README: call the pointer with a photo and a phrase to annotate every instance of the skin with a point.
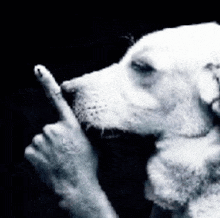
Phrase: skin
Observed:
(65, 158)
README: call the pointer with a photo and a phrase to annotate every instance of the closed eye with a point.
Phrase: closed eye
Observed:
(142, 67)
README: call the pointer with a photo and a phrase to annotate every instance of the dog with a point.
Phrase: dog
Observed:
(166, 85)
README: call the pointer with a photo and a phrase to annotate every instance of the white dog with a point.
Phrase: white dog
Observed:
(167, 84)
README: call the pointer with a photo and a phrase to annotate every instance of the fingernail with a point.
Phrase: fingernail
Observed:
(39, 73)
(38, 70)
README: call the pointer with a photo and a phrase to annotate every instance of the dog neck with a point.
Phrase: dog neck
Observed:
(181, 159)
(210, 137)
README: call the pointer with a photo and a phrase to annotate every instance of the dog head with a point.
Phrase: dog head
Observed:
(164, 85)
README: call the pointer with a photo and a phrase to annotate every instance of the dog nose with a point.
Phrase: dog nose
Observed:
(66, 86)
(69, 96)
(70, 90)
(71, 86)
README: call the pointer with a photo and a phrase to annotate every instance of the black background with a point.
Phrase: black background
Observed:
(70, 40)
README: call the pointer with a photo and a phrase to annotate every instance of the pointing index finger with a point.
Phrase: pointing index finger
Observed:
(53, 91)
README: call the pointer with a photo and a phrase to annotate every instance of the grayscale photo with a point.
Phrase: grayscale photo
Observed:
(108, 115)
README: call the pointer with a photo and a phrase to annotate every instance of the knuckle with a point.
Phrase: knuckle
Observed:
(29, 150)
(57, 94)
(52, 129)
(29, 153)
(59, 128)
(71, 124)
(34, 157)
(37, 140)
(48, 129)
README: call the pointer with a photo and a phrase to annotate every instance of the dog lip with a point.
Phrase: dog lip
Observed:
(96, 132)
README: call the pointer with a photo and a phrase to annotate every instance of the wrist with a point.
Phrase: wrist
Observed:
(103, 205)
(89, 201)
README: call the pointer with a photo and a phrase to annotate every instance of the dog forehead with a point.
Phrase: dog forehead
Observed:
(190, 37)
(200, 41)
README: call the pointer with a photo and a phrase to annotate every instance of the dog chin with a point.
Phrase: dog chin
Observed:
(95, 132)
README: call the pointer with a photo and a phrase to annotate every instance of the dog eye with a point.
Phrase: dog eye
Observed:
(141, 67)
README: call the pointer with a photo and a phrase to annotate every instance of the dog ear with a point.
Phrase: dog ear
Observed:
(208, 82)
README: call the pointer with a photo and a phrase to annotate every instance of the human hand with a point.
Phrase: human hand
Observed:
(62, 154)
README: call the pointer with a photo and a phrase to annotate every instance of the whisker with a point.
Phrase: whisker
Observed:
(102, 132)
(88, 126)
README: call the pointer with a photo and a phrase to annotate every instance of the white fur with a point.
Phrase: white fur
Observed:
(206, 205)
(172, 101)
(181, 169)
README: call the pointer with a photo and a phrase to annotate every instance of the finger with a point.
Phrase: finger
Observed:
(49, 131)
(40, 143)
(53, 91)
(39, 161)
(34, 156)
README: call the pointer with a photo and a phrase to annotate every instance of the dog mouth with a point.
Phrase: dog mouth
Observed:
(98, 133)
(143, 143)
